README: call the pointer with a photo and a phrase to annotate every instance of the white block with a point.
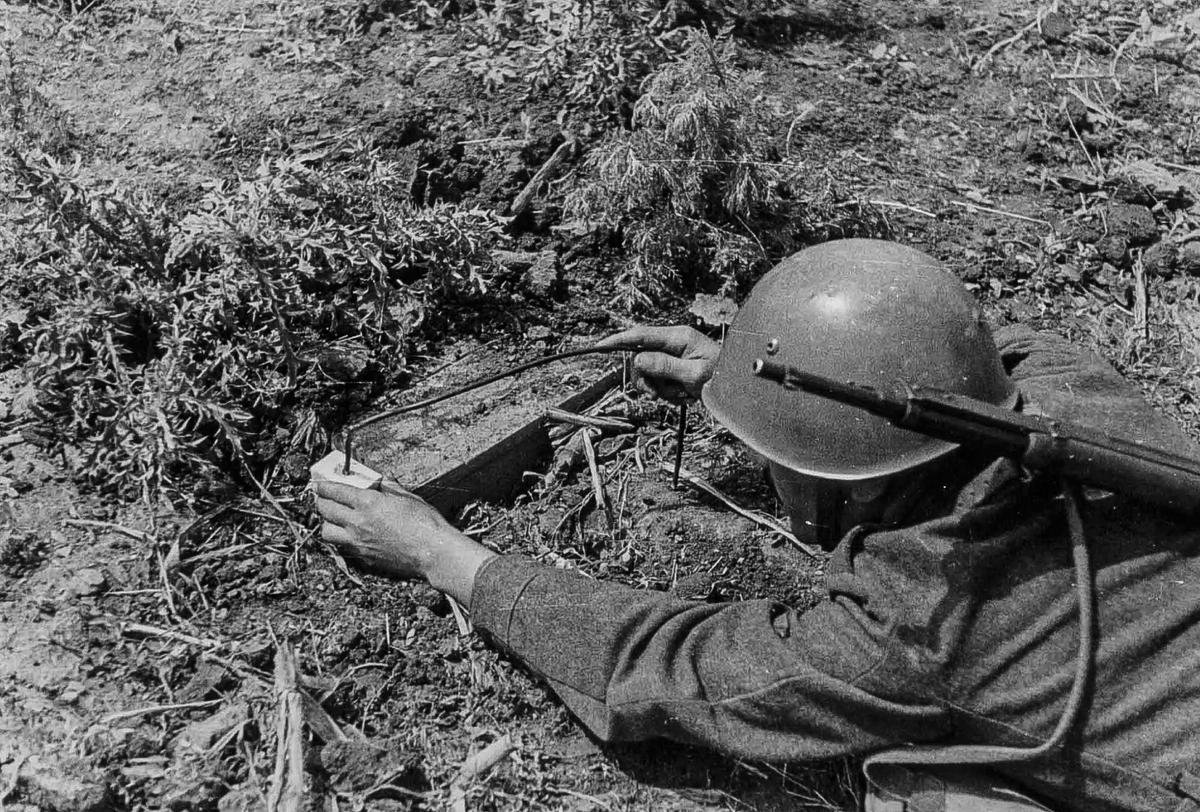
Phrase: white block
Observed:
(332, 468)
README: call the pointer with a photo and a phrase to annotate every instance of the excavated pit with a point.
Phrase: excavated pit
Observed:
(481, 445)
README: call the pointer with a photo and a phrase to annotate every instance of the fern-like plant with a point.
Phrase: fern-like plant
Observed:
(699, 186)
(174, 350)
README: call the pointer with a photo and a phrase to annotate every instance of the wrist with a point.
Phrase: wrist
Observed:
(454, 566)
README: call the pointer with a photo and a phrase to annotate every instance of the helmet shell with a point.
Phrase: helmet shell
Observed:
(870, 312)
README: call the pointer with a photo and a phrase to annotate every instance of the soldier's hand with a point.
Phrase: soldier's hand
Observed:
(399, 535)
(673, 363)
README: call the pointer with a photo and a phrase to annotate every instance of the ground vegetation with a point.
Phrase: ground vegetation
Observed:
(227, 230)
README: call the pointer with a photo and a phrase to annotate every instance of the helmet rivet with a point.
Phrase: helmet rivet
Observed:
(773, 346)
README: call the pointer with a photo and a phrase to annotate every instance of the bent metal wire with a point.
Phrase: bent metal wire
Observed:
(348, 438)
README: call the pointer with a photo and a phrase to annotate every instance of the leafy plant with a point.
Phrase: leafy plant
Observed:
(596, 51)
(700, 185)
(174, 350)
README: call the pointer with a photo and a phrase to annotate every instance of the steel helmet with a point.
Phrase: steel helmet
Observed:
(868, 311)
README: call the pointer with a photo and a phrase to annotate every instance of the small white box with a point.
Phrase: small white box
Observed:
(332, 468)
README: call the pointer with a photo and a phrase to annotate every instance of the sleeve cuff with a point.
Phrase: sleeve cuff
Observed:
(498, 586)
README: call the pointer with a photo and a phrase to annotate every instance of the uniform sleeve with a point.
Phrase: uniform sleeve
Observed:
(1065, 381)
(752, 679)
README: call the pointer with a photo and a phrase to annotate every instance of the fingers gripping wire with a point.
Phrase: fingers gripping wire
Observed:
(956, 755)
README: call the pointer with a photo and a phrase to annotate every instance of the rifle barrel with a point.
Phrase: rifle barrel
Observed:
(1156, 475)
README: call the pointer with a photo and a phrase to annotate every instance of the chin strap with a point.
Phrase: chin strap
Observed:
(981, 754)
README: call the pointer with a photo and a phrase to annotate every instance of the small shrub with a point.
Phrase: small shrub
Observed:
(595, 51)
(700, 187)
(170, 350)
(21, 553)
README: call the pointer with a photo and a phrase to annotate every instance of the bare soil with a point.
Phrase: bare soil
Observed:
(138, 640)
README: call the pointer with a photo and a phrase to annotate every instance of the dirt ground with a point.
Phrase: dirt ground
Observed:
(1048, 153)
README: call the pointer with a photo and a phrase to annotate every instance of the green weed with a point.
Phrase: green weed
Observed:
(176, 350)
(596, 52)
(703, 185)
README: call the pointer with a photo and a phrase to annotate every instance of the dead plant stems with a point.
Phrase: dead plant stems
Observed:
(767, 522)
(1141, 300)
(1036, 23)
(588, 421)
(92, 524)
(544, 174)
(461, 617)
(143, 630)
(285, 334)
(589, 452)
(999, 212)
(475, 766)
(152, 709)
(287, 790)
(892, 204)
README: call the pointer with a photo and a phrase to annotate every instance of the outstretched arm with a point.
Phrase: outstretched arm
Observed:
(753, 679)
(399, 535)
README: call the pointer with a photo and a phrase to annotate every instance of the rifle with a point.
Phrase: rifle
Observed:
(1153, 475)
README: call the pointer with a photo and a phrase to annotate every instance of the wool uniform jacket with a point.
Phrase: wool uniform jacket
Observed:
(954, 623)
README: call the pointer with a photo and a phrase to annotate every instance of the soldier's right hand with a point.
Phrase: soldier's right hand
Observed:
(672, 362)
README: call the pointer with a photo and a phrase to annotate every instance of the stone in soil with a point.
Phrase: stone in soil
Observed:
(201, 735)
(52, 786)
(244, 798)
(1056, 27)
(543, 275)
(354, 766)
(1188, 259)
(1134, 223)
(1161, 258)
(87, 582)
(1112, 248)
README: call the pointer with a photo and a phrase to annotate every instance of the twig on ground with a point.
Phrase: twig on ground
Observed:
(254, 514)
(1083, 146)
(547, 171)
(460, 617)
(1141, 300)
(319, 720)
(152, 709)
(892, 204)
(589, 452)
(287, 781)
(1000, 212)
(1059, 77)
(143, 630)
(768, 522)
(496, 142)
(557, 415)
(476, 766)
(591, 799)
(91, 524)
(1036, 23)
(192, 560)
(226, 29)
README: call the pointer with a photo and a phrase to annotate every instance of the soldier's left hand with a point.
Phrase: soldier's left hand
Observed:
(397, 535)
